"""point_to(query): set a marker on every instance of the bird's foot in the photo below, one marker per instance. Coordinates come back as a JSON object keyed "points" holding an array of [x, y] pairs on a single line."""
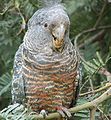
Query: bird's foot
{"points": [[64, 112], [44, 113]]}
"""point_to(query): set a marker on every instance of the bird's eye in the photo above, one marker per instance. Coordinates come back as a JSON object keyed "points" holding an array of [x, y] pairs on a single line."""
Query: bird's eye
{"points": [[45, 25]]}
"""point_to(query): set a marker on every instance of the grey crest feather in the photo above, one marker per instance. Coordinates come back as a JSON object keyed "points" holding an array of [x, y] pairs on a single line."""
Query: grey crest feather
{"points": [[49, 2]]}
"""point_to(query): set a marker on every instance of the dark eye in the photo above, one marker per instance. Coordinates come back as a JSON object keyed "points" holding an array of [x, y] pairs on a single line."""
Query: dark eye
{"points": [[45, 25]]}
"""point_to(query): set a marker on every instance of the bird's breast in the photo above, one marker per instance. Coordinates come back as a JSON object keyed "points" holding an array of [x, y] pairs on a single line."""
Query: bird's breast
{"points": [[49, 80]]}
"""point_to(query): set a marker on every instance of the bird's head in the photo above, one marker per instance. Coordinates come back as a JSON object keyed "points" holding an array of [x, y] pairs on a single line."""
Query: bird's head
{"points": [[58, 26], [54, 22]]}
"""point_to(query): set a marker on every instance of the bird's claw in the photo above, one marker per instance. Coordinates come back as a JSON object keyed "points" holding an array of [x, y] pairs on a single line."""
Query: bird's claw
{"points": [[64, 112], [43, 113]]}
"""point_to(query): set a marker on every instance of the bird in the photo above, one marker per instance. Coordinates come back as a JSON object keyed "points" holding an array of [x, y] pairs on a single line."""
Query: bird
{"points": [[46, 63]]}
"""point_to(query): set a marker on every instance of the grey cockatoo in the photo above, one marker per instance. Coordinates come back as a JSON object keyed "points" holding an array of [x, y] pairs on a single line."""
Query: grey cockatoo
{"points": [[46, 63]]}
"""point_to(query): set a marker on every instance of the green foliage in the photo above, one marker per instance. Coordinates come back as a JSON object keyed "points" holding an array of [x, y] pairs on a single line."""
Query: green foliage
{"points": [[15, 112], [84, 14], [83, 114], [11, 20], [5, 83]]}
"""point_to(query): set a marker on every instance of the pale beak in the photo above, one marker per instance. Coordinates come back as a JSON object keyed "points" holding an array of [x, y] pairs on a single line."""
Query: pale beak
{"points": [[58, 35]]}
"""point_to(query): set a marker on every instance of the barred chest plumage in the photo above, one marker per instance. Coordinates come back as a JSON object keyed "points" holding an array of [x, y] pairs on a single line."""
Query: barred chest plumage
{"points": [[49, 79]]}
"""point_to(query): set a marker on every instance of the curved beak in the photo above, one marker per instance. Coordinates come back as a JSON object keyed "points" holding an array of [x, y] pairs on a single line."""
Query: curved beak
{"points": [[58, 35]]}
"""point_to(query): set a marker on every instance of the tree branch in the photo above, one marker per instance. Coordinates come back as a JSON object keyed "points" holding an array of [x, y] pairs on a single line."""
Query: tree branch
{"points": [[103, 113], [92, 113], [104, 72], [87, 105], [96, 91]]}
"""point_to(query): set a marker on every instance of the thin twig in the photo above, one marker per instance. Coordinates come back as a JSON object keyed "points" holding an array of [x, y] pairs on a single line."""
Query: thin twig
{"points": [[23, 21], [89, 77], [102, 71], [92, 113], [84, 32], [103, 113], [101, 14], [96, 91], [10, 5], [92, 39], [84, 85], [91, 84]]}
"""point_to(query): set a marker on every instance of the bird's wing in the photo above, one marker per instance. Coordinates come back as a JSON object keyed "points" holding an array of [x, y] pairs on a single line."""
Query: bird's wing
{"points": [[18, 94], [78, 82]]}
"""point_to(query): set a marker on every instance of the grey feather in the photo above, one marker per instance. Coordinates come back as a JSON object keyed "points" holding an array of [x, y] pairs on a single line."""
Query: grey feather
{"points": [[18, 95], [38, 60], [49, 2]]}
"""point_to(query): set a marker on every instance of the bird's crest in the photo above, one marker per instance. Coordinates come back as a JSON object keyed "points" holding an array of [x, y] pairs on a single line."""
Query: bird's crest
{"points": [[49, 2]]}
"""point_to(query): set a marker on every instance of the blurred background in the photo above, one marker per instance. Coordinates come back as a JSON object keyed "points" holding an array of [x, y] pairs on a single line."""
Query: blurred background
{"points": [[95, 47]]}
